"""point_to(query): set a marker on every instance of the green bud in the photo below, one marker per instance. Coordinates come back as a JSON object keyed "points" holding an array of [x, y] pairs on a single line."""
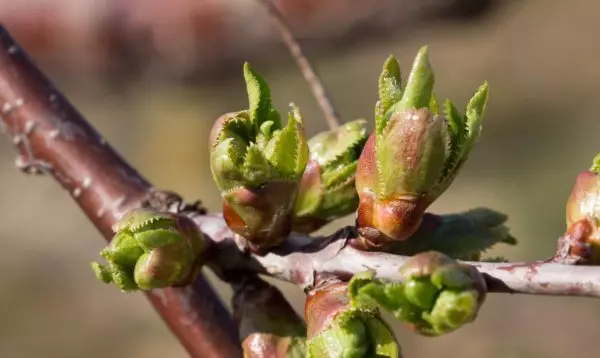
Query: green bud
{"points": [[414, 153], [327, 190], [151, 250], [268, 325], [257, 164], [438, 295], [338, 328]]}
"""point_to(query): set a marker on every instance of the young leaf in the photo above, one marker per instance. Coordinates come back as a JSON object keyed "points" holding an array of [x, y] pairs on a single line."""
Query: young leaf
{"points": [[390, 83], [259, 96], [417, 93], [474, 113]]}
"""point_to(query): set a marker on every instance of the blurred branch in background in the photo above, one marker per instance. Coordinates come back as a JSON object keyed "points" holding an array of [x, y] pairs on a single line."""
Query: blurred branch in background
{"points": [[203, 37]]}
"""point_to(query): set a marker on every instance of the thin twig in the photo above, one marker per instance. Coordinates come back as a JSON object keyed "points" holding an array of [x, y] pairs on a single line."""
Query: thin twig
{"points": [[308, 72], [303, 259], [52, 137]]}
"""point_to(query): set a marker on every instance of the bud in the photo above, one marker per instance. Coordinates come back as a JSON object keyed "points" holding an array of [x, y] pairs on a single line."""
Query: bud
{"points": [[582, 238], [257, 165], [414, 154], [438, 295], [338, 328], [327, 190], [151, 250], [269, 326]]}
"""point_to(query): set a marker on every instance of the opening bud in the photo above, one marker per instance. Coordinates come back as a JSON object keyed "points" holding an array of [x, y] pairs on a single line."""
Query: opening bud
{"points": [[151, 250], [414, 154], [438, 294], [339, 328], [327, 190], [257, 164]]}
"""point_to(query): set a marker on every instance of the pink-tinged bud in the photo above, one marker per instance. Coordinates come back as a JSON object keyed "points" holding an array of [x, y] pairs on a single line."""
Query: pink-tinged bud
{"points": [[397, 173], [584, 201], [581, 242], [414, 153]]}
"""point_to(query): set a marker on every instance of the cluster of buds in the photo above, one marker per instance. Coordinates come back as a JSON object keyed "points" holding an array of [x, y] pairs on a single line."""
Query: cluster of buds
{"points": [[438, 295], [581, 241], [338, 327], [414, 153], [268, 325], [327, 190], [257, 164], [152, 250]]}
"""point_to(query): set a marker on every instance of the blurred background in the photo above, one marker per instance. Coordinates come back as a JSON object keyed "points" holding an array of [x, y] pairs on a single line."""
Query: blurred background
{"points": [[153, 75]]}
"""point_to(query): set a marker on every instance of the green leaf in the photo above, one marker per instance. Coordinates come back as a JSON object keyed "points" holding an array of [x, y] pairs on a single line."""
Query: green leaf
{"points": [[257, 169], [474, 113], [457, 127], [339, 145], [259, 96], [417, 93], [302, 150], [596, 164], [341, 174], [434, 107], [226, 160], [288, 151], [346, 338], [103, 273], [390, 83], [382, 339]]}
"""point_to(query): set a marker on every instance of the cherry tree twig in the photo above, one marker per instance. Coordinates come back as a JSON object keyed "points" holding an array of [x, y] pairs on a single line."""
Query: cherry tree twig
{"points": [[302, 260], [52, 137], [308, 72]]}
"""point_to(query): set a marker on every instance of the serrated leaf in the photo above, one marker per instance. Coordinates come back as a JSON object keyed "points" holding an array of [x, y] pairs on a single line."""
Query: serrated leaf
{"points": [[457, 129], [474, 114], [417, 93], [259, 96], [285, 150], [381, 118], [302, 150], [595, 164], [238, 125], [390, 83], [332, 146], [341, 174], [226, 159], [256, 168], [459, 235]]}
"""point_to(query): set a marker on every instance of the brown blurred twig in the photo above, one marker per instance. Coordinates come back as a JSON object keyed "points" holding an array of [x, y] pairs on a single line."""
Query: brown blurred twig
{"points": [[52, 137], [308, 72]]}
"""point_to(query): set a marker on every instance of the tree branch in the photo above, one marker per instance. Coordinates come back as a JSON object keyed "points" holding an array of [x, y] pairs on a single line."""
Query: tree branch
{"points": [[52, 137], [308, 72], [302, 260]]}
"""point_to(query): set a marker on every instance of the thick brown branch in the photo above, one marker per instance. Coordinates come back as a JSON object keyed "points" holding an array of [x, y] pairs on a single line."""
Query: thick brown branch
{"points": [[302, 260], [52, 137], [308, 72]]}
